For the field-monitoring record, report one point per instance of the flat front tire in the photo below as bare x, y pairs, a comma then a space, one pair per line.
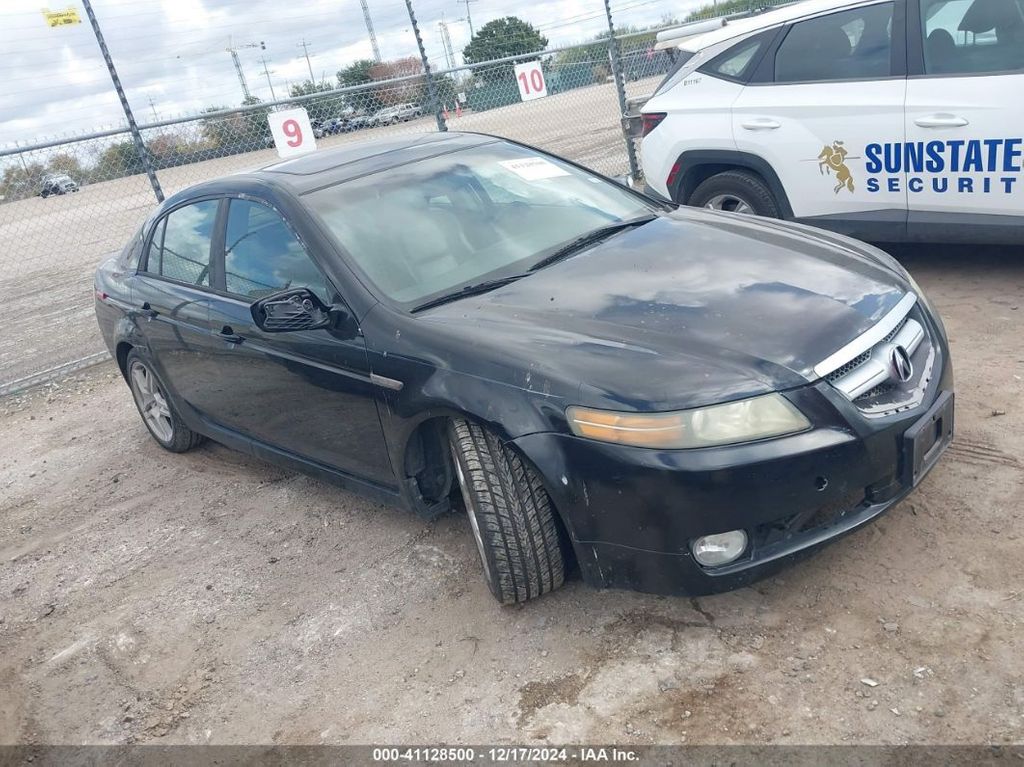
736, 191
513, 520
156, 408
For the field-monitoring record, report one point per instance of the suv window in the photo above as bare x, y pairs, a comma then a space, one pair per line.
851, 45
972, 36
180, 249
735, 62
262, 256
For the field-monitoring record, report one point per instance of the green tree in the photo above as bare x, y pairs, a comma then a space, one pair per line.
319, 108
725, 7
117, 160
21, 181
355, 74
66, 164
498, 39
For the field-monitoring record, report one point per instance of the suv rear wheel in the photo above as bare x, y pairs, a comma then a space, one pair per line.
736, 191
512, 517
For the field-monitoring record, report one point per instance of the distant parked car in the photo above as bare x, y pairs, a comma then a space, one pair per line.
358, 122
334, 125
57, 184
397, 113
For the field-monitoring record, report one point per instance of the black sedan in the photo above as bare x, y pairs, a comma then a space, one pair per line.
678, 400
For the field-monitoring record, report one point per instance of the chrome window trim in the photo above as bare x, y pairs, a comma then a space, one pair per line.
869, 338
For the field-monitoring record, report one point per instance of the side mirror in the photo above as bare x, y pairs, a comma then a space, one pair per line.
289, 310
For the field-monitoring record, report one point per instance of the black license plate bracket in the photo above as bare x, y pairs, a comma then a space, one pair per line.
928, 439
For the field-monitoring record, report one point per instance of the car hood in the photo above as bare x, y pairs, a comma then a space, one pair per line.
689, 309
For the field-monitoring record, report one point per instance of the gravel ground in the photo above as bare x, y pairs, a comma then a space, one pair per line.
210, 598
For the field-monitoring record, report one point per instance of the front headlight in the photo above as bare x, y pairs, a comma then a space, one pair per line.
770, 415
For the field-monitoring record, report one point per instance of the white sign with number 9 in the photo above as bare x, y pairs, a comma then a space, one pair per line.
530, 79
293, 134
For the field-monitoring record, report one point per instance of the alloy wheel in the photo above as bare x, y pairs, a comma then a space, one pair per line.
730, 203
151, 401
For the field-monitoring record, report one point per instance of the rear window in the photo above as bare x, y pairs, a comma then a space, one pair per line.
675, 74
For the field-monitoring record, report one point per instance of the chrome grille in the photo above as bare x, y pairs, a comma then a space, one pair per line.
868, 377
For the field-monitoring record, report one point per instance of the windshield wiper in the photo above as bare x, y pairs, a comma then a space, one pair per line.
469, 290
584, 240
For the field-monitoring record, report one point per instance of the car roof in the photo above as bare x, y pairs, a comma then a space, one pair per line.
738, 27
326, 167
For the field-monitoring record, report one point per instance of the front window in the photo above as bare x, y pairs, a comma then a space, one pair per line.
973, 36
263, 256
431, 227
850, 45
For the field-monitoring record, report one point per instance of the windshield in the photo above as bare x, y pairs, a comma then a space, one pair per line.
432, 227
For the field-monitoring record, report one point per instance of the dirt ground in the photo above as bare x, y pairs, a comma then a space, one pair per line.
210, 598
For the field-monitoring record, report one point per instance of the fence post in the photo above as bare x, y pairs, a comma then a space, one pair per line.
140, 147
435, 102
620, 89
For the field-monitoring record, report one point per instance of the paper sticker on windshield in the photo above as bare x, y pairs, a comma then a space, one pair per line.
533, 168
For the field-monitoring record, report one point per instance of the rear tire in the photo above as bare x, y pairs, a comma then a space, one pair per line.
736, 191
514, 524
156, 407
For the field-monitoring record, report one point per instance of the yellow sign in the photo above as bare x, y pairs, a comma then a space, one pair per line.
60, 18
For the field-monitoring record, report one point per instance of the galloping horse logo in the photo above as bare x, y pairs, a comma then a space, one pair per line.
833, 158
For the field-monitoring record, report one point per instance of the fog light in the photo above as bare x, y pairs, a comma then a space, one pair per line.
720, 549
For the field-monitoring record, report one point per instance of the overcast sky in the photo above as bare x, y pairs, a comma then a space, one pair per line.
172, 52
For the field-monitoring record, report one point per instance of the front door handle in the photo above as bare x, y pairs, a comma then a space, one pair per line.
761, 123
941, 120
148, 311
229, 335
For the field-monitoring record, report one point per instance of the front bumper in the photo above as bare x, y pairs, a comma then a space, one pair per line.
633, 513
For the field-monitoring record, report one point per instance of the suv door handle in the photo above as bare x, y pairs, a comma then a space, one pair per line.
229, 335
148, 311
941, 120
761, 123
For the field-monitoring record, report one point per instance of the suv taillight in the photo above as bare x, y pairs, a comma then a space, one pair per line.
650, 121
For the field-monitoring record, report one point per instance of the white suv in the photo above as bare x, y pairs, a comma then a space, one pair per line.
896, 120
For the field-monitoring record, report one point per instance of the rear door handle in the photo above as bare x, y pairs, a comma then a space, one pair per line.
761, 123
148, 311
229, 335
942, 120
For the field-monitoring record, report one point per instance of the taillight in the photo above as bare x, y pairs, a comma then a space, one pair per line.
650, 121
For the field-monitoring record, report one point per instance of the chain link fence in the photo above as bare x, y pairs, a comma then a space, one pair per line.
65, 205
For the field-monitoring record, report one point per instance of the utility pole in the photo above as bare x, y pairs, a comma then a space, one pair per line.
305, 49
140, 147
469, 16
263, 61
153, 107
435, 102
369, 31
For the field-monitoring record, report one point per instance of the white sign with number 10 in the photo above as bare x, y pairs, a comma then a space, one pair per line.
293, 135
530, 79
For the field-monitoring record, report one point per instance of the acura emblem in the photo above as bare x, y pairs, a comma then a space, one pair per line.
902, 367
